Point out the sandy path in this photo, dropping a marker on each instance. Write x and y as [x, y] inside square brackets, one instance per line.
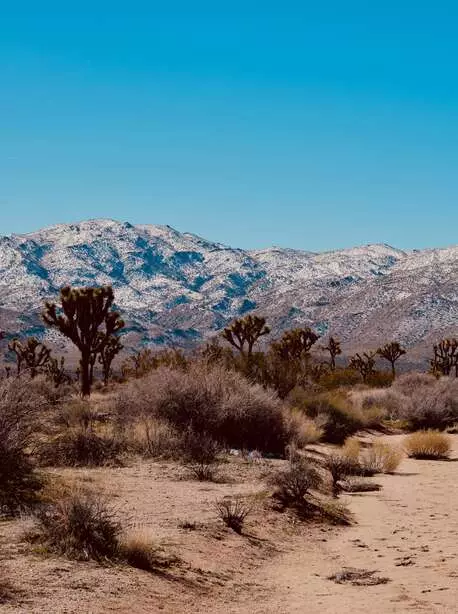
[408, 532]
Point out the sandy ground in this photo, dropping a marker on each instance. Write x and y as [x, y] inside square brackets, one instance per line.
[406, 533]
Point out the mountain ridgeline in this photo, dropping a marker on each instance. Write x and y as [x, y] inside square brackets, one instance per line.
[178, 289]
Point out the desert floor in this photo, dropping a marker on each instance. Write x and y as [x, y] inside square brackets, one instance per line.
[407, 534]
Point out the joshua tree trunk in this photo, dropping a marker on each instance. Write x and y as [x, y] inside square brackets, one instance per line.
[85, 373]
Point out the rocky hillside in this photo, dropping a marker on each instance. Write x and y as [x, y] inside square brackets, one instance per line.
[177, 288]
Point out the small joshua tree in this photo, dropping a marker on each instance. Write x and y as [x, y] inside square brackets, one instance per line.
[391, 352]
[364, 364]
[445, 357]
[334, 349]
[56, 372]
[107, 355]
[85, 316]
[245, 332]
[31, 354]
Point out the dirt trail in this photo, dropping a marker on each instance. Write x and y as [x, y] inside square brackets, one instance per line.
[407, 532]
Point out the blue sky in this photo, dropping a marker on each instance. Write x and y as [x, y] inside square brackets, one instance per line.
[308, 125]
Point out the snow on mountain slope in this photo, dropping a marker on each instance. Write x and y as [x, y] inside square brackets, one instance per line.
[174, 287]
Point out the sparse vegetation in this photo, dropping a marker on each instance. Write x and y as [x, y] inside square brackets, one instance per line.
[427, 445]
[233, 512]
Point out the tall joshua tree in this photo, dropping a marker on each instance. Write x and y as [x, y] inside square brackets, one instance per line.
[391, 352]
[85, 316]
[245, 332]
[445, 357]
[334, 350]
[31, 354]
[107, 355]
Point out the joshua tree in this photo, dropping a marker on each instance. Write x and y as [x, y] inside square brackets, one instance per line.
[391, 352]
[334, 350]
[363, 364]
[107, 354]
[32, 354]
[296, 344]
[246, 332]
[85, 316]
[56, 371]
[445, 357]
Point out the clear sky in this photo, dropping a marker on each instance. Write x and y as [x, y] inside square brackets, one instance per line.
[314, 125]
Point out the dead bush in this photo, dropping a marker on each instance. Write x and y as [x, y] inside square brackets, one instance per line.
[81, 526]
[427, 444]
[233, 512]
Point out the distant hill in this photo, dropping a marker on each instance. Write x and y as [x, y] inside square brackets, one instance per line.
[177, 288]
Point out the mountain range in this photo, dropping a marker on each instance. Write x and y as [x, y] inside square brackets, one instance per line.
[176, 288]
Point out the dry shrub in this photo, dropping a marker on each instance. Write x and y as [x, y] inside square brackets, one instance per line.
[339, 378]
[294, 484]
[340, 466]
[352, 449]
[303, 430]
[387, 402]
[157, 439]
[214, 401]
[137, 550]
[434, 406]
[81, 526]
[200, 453]
[381, 457]
[417, 399]
[20, 406]
[80, 448]
[233, 512]
[428, 444]
[409, 383]
[337, 417]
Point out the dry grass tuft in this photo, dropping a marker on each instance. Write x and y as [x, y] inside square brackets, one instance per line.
[381, 457]
[427, 445]
[137, 550]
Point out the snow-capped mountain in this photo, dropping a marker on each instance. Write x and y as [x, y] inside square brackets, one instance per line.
[177, 288]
